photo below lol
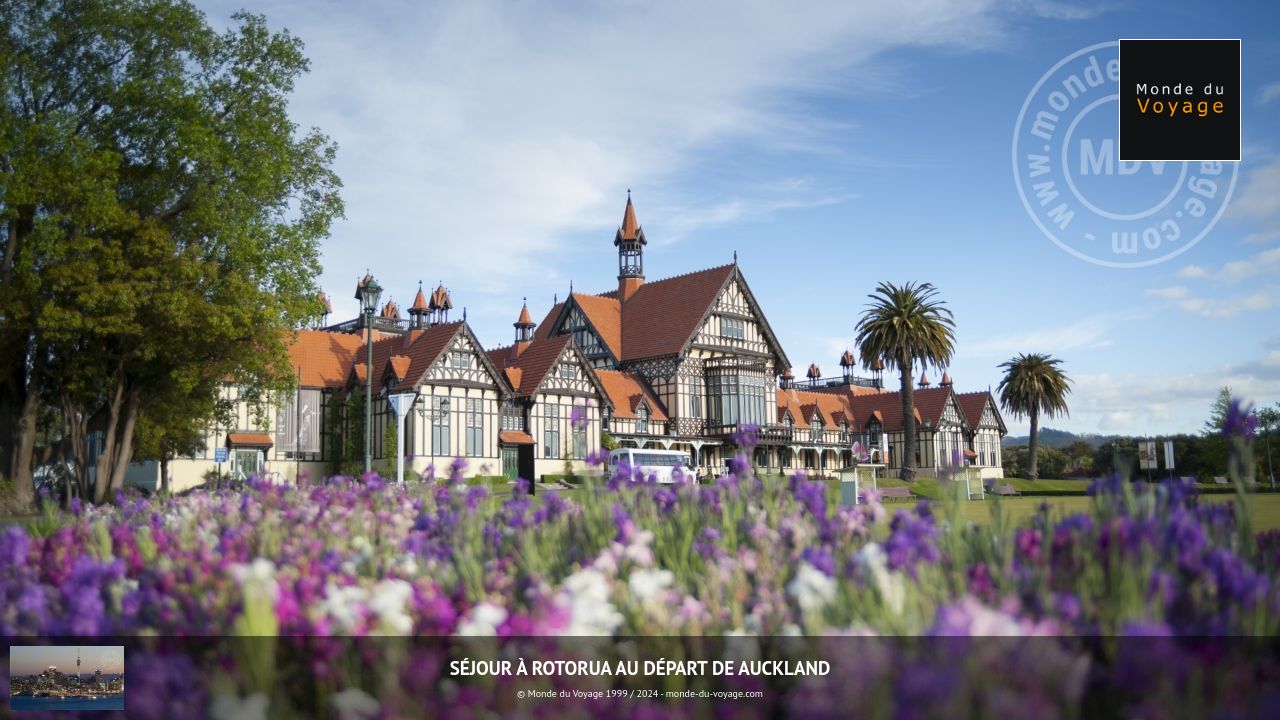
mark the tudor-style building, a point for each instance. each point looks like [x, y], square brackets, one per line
[685, 362]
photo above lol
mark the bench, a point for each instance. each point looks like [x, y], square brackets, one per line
[1006, 489]
[1220, 480]
[895, 493]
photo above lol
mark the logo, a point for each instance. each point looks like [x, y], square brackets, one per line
[1107, 211]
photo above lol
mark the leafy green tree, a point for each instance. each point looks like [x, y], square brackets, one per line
[903, 325]
[159, 215]
[1216, 449]
[1034, 384]
[1218, 412]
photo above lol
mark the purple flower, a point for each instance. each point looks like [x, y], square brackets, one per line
[475, 494]
[821, 558]
[911, 541]
[578, 416]
[747, 436]
[1241, 421]
[1027, 542]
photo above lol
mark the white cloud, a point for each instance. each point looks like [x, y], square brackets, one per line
[1266, 262]
[1193, 271]
[1217, 308]
[1262, 238]
[495, 130]
[1269, 93]
[1086, 333]
[1153, 403]
[1259, 197]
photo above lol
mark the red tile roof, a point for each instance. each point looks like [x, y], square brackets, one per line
[324, 358]
[803, 404]
[929, 404]
[625, 391]
[532, 365]
[605, 315]
[973, 403]
[250, 439]
[662, 316]
[515, 437]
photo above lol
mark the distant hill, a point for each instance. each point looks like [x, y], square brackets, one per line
[1057, 438]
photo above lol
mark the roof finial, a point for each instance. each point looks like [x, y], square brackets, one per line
[735, 257]
[555, 299]
[464, 313]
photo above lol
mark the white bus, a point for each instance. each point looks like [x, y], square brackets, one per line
[660, 464]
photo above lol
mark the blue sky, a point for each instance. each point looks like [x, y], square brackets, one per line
[490, 145]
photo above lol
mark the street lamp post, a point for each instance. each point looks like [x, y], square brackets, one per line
[368, 293]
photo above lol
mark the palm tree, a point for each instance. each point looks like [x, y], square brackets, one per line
[903, 325]
[1033, 384]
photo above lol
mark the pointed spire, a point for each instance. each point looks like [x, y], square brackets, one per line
[946, 379]
[419, 301]
[846, 360]
[630, 229]
[524, 327]
[924, 379]
[814, 373]
[525, 319]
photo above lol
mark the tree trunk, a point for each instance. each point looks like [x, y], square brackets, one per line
[908, 471]
[164, 472]
[106, 460]
[1032, 472]
[124, 448]
[24, 443]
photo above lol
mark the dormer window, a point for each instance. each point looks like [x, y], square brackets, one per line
[642, 419]
[815, 429]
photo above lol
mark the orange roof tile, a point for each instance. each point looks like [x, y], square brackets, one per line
[605, 315]
[662, 316]
[400, 365]
[515, 437]
[625, 391]
[973, 403]
[324, 358]
[250, 439]
[630, 228]
[419, 301]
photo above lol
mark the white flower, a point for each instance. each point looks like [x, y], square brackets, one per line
[889, 584]
[586, 592]
[259, 575]
[649, 584]
[344, 605]
[483, 619]
[230, 707]
[388, 602]
[354, 704]
[811, 588]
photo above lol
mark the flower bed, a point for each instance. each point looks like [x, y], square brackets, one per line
[287, 567]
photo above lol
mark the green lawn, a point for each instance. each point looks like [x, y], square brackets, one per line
[1265, 509]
